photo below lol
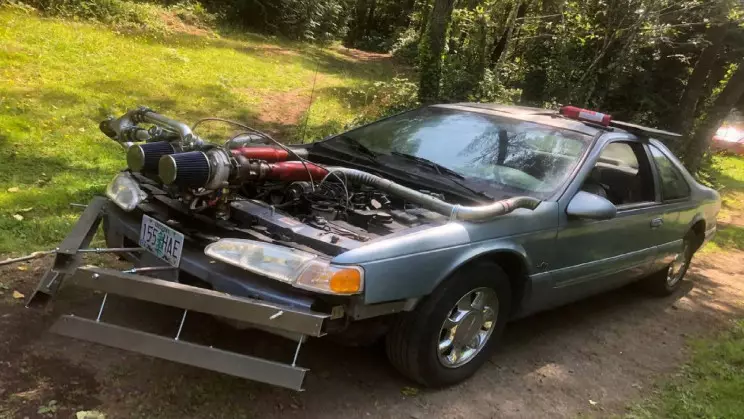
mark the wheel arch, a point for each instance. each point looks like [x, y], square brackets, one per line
[512, 259]
[697, 226]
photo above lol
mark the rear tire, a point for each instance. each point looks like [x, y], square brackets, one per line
[468, 311]
[668, 280]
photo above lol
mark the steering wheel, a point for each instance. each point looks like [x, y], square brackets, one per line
[516, 178]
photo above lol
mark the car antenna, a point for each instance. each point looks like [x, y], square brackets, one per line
[309, 105]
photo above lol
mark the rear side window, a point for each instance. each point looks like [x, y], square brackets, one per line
[673, 184]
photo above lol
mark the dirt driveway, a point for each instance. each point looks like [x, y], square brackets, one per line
[591, 357]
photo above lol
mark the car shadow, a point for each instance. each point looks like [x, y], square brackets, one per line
[586, 346]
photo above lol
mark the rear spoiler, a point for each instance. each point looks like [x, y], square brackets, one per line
[645, 132]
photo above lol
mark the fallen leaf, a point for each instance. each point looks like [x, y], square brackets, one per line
[23, 268]
[17, 295]
[592, 402]
[25, 209]
[13, 189]
[90, 414]
[18, 217]
[409, 391]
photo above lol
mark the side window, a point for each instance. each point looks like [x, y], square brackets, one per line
[622, 174]
[673, 184]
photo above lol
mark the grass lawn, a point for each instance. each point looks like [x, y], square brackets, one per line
[710, 386]
[59, 79]
[729, 173]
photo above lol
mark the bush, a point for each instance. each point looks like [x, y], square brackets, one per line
[120, 13]
[308, 20]
[375, 42]
[385, 99]
[406, 47]
[194, 13]
[490, 89]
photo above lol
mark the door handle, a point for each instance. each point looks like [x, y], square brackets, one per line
[657, 222]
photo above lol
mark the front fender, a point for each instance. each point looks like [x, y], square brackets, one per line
[486, 249]
[413, 265]
[417, 275]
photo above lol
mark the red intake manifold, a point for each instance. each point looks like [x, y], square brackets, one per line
[295, 171]
[269, 154]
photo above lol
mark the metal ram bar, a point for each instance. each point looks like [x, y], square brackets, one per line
[198, 299]
[231, 363]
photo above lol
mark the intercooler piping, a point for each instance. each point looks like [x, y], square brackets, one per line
[455, 212]
[125, 131]
[183, 130]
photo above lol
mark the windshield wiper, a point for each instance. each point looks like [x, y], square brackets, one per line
[441, 170]
[436, 166]
[359, 147]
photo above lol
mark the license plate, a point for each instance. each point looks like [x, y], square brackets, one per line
[161, 240]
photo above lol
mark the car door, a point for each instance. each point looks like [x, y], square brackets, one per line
[677, 209]
[596, 255]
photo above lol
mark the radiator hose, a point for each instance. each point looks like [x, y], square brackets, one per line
[454, 211]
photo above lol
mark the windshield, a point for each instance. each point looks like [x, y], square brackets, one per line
[503, 154]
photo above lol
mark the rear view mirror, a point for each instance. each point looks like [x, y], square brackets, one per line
[590, 206]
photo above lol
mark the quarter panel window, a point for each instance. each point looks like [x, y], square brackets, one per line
[673, 184]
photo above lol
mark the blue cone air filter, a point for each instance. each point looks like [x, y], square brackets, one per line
[145, 157]
[184, 169]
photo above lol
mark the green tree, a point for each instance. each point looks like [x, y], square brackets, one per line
[431, 50]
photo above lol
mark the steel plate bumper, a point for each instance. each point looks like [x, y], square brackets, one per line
[295, 322]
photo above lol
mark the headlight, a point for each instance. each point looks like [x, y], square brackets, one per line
[125, 192]
[301, 269]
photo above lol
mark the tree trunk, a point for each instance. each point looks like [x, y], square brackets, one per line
[696, 83]
[721, 108]
[431, 48]
[511, 26]
[717, 73]
[357, 28]
[534, 88]
[370, 18]
[425, 11]
[405, 13]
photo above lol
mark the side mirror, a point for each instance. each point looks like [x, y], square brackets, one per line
[590, 206]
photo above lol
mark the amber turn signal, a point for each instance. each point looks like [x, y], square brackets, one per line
[346, 281]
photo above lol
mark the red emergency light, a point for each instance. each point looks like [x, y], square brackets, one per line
[585, 115]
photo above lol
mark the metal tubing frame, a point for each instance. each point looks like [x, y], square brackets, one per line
[66, 271]
[239, 365]
[68, 255]
[198, 299]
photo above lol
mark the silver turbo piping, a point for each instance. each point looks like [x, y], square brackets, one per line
[455, 212]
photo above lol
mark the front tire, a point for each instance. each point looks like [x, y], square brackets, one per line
[455, 330]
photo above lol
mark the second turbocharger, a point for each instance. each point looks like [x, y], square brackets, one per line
[218, 167]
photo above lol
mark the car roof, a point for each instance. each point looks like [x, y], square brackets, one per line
[547, 117]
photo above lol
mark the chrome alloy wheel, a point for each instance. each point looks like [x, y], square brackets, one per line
[679, 265]
[467, 327]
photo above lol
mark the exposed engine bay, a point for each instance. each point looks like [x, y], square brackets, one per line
[283, 193]
[272, 188]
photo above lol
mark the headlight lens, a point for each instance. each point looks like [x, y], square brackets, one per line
[301, 269]
[125, 192]
[320, 275]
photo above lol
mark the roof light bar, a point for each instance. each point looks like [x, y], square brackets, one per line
[585, 115]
